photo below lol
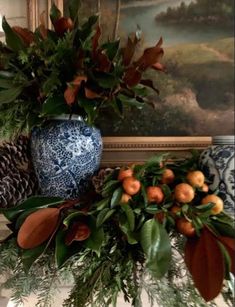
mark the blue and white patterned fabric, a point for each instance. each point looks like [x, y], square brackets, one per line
[65, 154]
[217, 162]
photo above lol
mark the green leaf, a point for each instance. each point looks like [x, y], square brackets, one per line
[74, 6]
[55, 13]
[227, 260]
[156, 244]
[144, 194]
[103, 216]
[130, 101]
[125, 227]
[166, 191]
[106, 80]
[152, 209]
[130, 216]
[109, 187]
[6, 83]
[102, 204]
[96, 239]
[223, 229]
[29, 256]
[62, 251]
[90, 107]
[32, 202]
[111, 49]
[22, 217]
[116, 197]
[54, 106]
[12, 39]
[9, 95]
[204, 208]
[71, 216]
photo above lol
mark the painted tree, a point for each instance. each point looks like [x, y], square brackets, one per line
[99, 9]
[117, 19]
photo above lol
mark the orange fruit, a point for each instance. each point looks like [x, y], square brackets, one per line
[125, 198]
[160, 217]
[196, 179]
[184, 193]
[168, 176]
[131, 185]
[205, 188]
[124, 173]
[219, 204]
[155, 195]
[174, 210]
[185, 227]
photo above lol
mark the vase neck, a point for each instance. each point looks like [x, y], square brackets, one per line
[223, 140]
[67, 117]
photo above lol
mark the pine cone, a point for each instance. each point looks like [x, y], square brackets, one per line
[17, 178]
[98, 180]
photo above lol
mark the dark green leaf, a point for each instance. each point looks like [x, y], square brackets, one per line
[96, 239]
[116, 197]
[144, 194]
[125, 227]
[6, 83]
[166, 191]
[32, 202]
[103, 216]
[111, 49]
[227, 260]
[130, 101]
[102, 204]
[106, 80]
[204, 208]
[156, 244]
[109, 187]
[152, 209]
[54, 106]
[12, 39]
[74, 6]
[223, 229]
[29, 256]
[130, 216]
[9, 95]
[62, 251]
[72, 216]
[55, 13]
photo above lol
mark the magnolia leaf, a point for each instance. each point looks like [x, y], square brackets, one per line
[132, 76]
[26, 35]
[9, 95]
[208, 275]
[117, 195]
[12, 39]
[155, 242]
[103, 62]
[20, 220]
[38, 227]
[29, 256]
[62, 251]
[111, 49]
[72, 216]
[74, 6]
[79, 231]
[130, 216]
[63, 25]
[223, 229]
[109, 187]
[95, 40]
[6, 83]
[104, 203]
[229, 244]
[54, 105]
[125, 227]
[91, 94]
[30, 203]
[96, 239]
[149, 83]
[103, 216]
[55, 13]
[129, 51]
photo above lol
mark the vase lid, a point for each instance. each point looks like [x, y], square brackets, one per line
[66, 117]
[223, 140]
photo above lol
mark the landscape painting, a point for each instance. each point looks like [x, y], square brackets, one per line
[197, 90]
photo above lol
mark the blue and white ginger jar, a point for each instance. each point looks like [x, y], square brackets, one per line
[65, 154]
[217, 162]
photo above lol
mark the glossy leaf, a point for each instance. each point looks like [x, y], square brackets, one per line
[109, 187]
[30, 203]
[55, 13]
[6, 83]
[54, 105]
[29, 256]
[74, 6]
[132, 77]
[229, 244]
[116, 197]
[9, 95]
[125, 227]
[223, 229]
[95, 40]
[104, 203]
[149, 83]
[130, 216]
[208, 275]
[129, 51]
[103, 216]
[111, 49]
[62, 251]
[67, 221]
[26, 35]
[12, 39]
[38, 227]
[20, 220]
[96, 239]
[78, 231]
[156, 244]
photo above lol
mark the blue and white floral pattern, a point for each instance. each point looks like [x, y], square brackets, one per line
[217, 162]
[65, 155]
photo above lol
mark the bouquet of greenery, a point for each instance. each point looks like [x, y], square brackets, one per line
[131, 227]
[68, 70]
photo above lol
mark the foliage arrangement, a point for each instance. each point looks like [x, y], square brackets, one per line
[70, 70]
[123, 236]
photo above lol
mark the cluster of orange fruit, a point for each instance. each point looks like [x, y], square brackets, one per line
[183, 193]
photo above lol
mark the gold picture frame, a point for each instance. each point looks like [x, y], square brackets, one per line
[130, 149]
